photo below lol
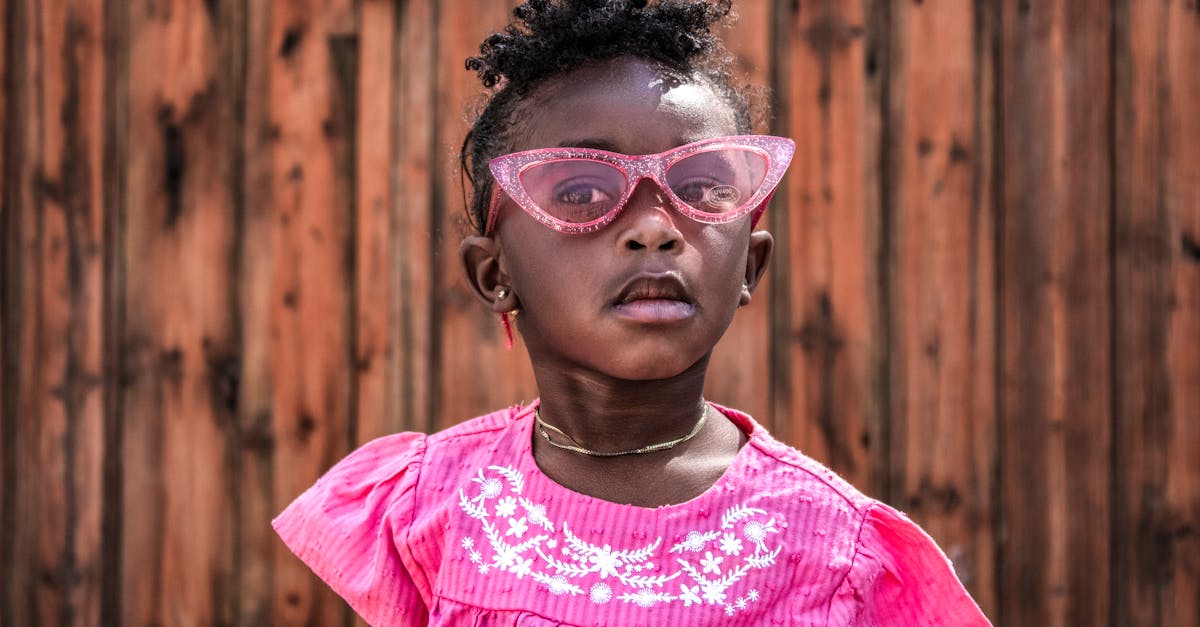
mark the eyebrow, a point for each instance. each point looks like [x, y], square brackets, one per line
[603, 144]
[593, 144]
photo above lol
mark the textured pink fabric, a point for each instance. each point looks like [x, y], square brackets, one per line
[462, 528]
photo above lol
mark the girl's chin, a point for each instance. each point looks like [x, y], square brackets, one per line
[658, 368]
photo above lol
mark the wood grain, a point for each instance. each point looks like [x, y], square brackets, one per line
[1055, 394]
[940, 274]
[10, 298]
[1157, 316]
[301, 111]
[375, 357]
[229, 255]
[179, 337]
[473, 371]
[412, 242]
[828, 344]
[58, 232]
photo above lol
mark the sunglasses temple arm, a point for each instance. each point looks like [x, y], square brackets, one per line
[758, 211]
[491, 216]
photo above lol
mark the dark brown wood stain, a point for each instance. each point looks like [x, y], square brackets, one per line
[229, 238]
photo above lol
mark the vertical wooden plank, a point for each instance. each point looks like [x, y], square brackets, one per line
[60, 250]
[412, 239]
[116, 25]
[11, 270]
[376, 365]
[375, 362]
[180, 342]
[1055, 304]
[297, 286]
[257, 251]
[740, 369]
[1157, 315]
[1181, 602]
[941, 271]
[472, 369]
[827, 342]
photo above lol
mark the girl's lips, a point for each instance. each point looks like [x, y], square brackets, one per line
[655, 310]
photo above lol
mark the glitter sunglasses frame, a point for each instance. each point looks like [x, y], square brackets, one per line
[507, 170]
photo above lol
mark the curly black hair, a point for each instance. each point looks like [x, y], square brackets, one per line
[549, 38]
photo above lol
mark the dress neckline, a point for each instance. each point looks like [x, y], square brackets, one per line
[524, 419]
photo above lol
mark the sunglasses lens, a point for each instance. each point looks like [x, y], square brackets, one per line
[574, 190]
[718, 181]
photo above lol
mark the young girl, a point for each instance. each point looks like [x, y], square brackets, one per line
[616, 189]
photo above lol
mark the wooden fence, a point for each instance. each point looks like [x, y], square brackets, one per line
[228, 242]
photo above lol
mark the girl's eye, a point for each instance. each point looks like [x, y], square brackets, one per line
[581, 193]
[695, 191]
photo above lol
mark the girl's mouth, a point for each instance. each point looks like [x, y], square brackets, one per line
[657, 298]
[655, 310]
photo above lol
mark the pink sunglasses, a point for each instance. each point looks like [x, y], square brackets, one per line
[579, 190]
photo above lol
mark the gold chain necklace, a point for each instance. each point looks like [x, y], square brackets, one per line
[577, 448]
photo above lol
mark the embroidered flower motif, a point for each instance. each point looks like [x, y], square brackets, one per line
[506, 507]
[537, 515]
[491, 488]
[755, 531]
[521, 567]
[731, 544]
[600, 593]
[644, 598]
[558, 585]
[516, 527]
[714, 591]
[694, 541]
[711, 564]
[505, 558]
[566, 564]
[605, 562]
[690, 595]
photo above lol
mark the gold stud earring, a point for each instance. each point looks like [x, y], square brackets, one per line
[502, 293]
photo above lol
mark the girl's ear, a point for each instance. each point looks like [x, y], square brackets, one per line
[485, 272]
[757, 255]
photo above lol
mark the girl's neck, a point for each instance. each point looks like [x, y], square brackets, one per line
[605, 414]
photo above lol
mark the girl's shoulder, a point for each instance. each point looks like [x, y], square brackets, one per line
[481, 427]
[782, 467]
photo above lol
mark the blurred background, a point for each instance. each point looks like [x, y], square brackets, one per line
[228, 244]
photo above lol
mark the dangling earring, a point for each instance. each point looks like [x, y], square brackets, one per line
[508, 330]
[501, 294]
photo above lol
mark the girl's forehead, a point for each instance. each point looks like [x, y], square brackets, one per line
[623, 104]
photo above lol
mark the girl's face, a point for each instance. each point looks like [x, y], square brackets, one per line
[648, 296]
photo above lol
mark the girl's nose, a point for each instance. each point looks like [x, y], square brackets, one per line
[648, 221]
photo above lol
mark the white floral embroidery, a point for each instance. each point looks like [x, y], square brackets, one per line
[689, 595]
[506, 507]
[695, 540]
[711, 564]
[642, 580]
[559, 585]
[600, 593]
[516, 527]
[730, 544]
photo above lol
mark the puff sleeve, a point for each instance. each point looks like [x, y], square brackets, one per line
[900, 577]
[351, 527]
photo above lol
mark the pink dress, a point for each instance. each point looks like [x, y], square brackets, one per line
[462, 528]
